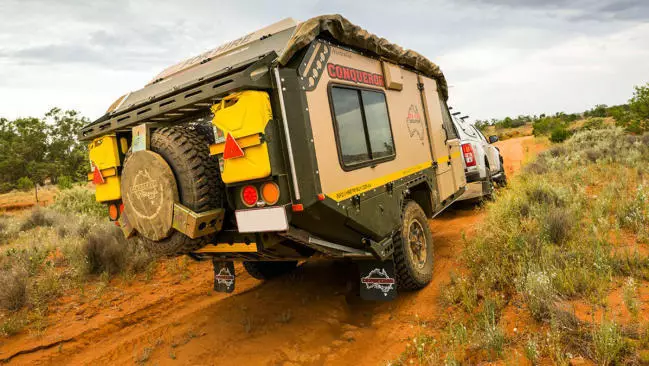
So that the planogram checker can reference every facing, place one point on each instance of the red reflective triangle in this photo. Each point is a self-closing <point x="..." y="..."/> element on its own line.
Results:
<point x="97" y="178"/>
<point x="232" y="149"/>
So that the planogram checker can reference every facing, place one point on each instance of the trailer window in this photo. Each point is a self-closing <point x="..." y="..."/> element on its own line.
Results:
<point x="447" y="123"/>
<point x="362" y="126"/>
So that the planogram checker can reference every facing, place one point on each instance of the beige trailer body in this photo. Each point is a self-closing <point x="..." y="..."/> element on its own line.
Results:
<point x="418" y="131"/>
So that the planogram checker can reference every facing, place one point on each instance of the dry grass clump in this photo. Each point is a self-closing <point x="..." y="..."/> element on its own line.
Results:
<point x="13" y="288"/>
<point x="40" y="217"/>
<point x="108" y="251"/>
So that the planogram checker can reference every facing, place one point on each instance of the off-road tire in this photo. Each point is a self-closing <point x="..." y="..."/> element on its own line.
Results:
<point x="267" y="270"/>
<point x="186" y="150"/>
<point x="489" y="180"/>
<point x="502" y="181"/>
<point x="409" y="276"/>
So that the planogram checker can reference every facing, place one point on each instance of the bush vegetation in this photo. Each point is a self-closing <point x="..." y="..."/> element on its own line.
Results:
<point x="633" y="117"/>
<point x="49" y="252"/>
<point x="550" y="239"/>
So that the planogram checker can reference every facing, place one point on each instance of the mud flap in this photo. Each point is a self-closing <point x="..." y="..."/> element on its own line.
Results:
<point x="378" y="280"/>
<point x="224" y="276"/>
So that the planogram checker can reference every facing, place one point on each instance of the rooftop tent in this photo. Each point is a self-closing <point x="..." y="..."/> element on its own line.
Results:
<point x="284" y="38"/>
<point x="345" y="32"/>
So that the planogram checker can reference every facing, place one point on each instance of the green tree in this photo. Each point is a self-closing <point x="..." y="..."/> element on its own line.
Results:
<point x="65" y="150"/>
<point x="25" y="184"/>
<point x="42" y="149"/>
<point x="636" y="118"/>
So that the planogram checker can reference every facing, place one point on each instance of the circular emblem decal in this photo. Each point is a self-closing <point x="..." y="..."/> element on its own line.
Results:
<point x="149" y="193"/>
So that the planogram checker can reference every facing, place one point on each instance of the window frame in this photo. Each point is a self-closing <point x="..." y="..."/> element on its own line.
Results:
<point x="480" y="135"/>
<point x="446" y="112"/>
<point x="334" y="121"/>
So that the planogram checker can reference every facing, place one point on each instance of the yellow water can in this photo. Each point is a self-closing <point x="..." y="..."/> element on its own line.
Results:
<point x="244" y="116"/>
<point x="104" y="161"/>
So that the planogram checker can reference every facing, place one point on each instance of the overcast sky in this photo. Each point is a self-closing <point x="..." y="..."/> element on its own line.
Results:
<point x="501" y="57"/>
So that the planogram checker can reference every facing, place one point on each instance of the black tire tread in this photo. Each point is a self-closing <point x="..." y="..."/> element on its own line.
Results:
<point x="405" y="278"/>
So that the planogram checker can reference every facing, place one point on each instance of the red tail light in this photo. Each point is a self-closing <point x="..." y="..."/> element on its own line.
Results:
<point x="469" y="157"/>
<point x="249" y="196"/>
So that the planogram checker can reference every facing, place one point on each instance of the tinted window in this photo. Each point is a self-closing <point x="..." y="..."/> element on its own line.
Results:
<point x="349" y="121"/>
<point x="362" y="126"/>
<point x="378" y="124"/>
<point x="447" y="122"/>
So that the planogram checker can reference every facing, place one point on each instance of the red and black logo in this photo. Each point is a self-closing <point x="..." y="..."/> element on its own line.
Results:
<point x="357" y="76"/>
<point x="379" y="279"/>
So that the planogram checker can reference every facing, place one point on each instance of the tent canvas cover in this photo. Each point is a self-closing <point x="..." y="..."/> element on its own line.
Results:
<point x="286" y="38"/>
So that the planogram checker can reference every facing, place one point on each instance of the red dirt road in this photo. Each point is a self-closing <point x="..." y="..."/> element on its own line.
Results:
<point x="308" y="317"/>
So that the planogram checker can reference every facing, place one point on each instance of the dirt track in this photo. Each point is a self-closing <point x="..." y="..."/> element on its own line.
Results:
<point x="308" y="317"/>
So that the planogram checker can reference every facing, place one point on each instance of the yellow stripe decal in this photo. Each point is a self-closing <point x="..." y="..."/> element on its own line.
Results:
<point x="374" y="183"/>
<point x="445" y="159"/>
<point x="229" y="248"/>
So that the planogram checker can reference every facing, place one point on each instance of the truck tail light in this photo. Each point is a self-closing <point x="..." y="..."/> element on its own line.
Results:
<point x="113" y="212"/>
<point x="469" y="157"/>
<point x="249" y="196"/>
<point x="270" y="193"/>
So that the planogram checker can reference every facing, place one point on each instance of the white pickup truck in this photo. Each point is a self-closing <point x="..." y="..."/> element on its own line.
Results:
<point x="483" y="164"/>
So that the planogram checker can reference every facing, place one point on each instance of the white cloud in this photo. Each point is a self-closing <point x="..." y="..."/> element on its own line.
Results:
<point x="502" y="57"/>
<point x="570" y="76"/>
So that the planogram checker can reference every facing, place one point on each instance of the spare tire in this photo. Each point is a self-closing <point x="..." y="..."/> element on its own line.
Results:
<point x="197" y="178"/>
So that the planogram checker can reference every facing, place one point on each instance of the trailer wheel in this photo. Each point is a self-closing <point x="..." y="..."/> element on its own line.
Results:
<point x="185" y="149"/>
<point x="413" y="250"/>
<point x="267" y="270"/>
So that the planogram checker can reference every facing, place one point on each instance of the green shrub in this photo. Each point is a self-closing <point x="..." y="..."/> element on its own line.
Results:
<point x="6" y="187"/>
<point x="25" y="184"/>
<point x="593" y="124"/>
<point x="608" y="343"/>
<point x="539" y="294"/>
<point x="12" y="324"/>
<point x="78" y="201"/>
<point x="559" y="134"/>
<point x="64" y="182"/>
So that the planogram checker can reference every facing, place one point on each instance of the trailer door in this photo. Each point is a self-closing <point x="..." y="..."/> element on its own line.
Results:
<point x="445" y="143"/>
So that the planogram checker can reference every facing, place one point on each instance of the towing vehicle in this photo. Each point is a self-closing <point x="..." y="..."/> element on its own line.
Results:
<point x="300" y="141"/>
<point x="483" y="162"/>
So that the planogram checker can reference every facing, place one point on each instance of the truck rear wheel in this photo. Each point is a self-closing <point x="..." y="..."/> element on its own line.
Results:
<point x="413" y="250"/>
<point x="267" y="270"/>
<point x="186" y="151"/>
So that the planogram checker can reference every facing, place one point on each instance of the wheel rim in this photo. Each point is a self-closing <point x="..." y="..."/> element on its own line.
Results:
<point x="417" y="248"/>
